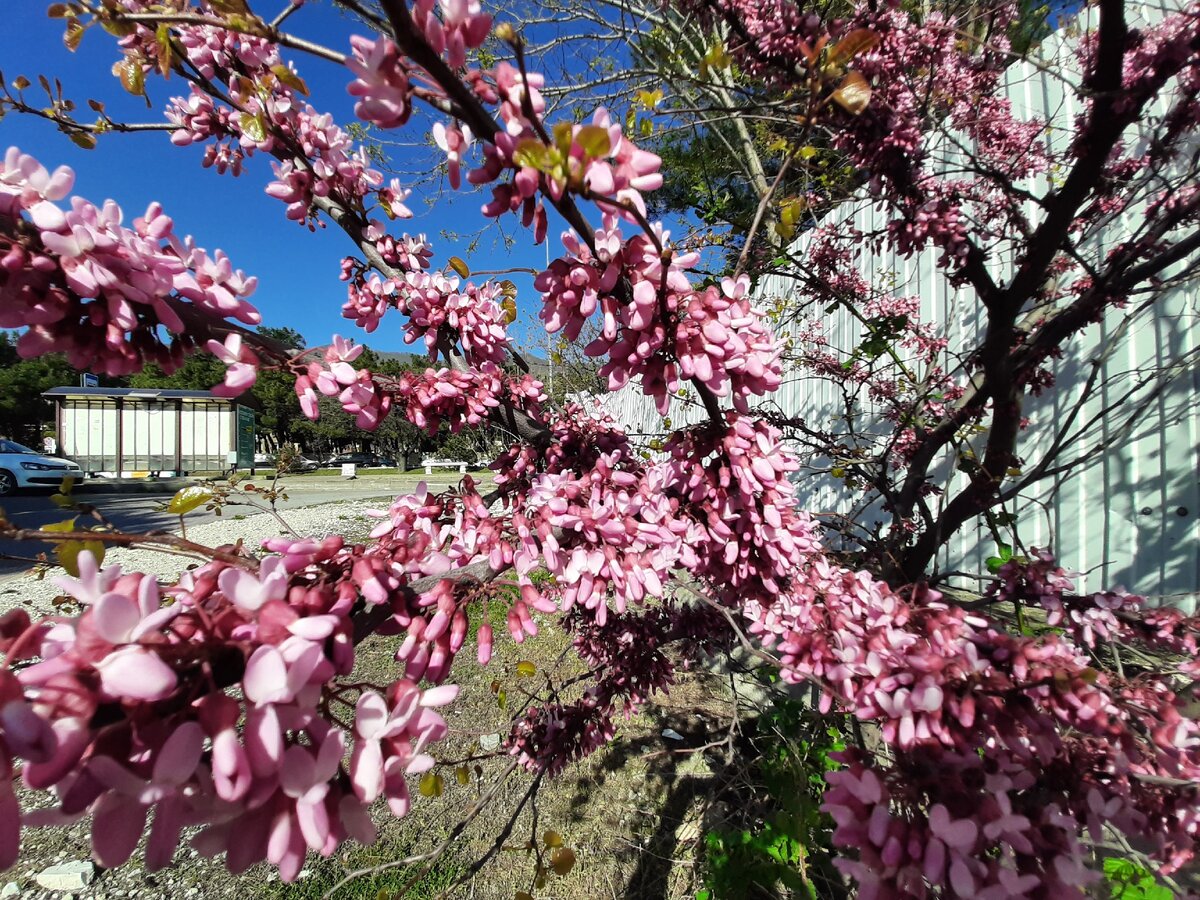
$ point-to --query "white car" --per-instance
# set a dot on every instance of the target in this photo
(21, 467)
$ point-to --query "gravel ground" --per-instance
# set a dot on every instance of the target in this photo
(351, 518)
(192, 876)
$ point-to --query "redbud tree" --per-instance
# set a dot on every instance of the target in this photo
(995, 756)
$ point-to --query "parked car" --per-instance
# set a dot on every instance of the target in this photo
(302, 464)
(362, 460)
(21, 467)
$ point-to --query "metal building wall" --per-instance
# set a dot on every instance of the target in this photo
(1129, 513)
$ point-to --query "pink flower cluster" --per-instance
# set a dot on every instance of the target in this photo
(382, 82)
(732, 481)
(111, 709)
(608, 535)
(577, 440)
(219, 709)
(713, 335)
(942, 682)
(721, 341)
(242, 366)
(210, 48)
(462, 398)
(357, 390)
(473, 315)
(92, 288)
(1039, 581)
(575, 286)
(462, 27)
(269, 115)
(431, 536)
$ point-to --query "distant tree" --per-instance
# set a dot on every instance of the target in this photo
(288, 337)
(198, 373)
(329, 433)
(274, 394)
(22, 382)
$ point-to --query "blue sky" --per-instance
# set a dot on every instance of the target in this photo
(297, 269)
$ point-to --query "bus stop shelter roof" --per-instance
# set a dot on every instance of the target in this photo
(103, 393)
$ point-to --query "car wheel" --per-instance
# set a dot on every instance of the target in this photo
(8, 483)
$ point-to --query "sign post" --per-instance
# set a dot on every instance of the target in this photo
(87, 379)
(245, 437)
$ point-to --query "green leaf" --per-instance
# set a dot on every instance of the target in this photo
(253, 126)
(83, 139)
(431, 785)
(189, 498)
(290, 78)
(118, 28)
(650, 99)
(1129, 881)
(593, 140)
(526, 669)
(532, 153)
(68, 554)
(165, 52)
(552, 839)
(230, 7)
(133, 79)
(562, 860)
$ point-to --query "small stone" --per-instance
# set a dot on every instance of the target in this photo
(489, 742)
(12, 889)
(672, 734)
(70, 876)
(304, 873)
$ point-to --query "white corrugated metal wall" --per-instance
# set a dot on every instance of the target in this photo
(1129, 513)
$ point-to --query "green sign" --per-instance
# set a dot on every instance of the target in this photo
(245, 437)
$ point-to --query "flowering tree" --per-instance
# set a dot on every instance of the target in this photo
(993, 755)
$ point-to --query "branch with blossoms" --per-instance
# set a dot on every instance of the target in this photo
(955, 175)
(230, 705)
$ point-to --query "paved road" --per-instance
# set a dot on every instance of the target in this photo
(142, 512)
